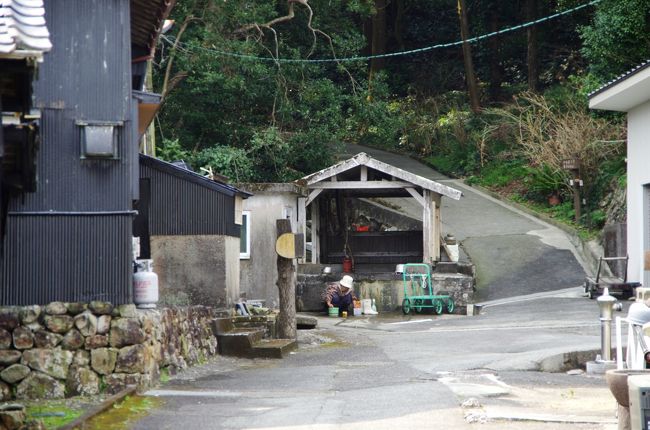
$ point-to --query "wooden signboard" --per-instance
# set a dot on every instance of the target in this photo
(290, 245)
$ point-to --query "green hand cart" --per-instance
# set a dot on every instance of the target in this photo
(418, 292)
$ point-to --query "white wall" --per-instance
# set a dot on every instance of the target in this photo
(259, 273)
(638, 175)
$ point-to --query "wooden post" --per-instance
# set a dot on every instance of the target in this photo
(429, 230)
(302, 225)
(287, 288)
(315, 231)
(437, 229)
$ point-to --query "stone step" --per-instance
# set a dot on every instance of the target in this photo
(273, 348)
(238, 342)
(306, 322)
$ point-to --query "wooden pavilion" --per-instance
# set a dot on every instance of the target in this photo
(334, 233)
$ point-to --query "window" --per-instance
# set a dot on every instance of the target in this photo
(245, 238)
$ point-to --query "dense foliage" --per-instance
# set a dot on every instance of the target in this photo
(255, 119)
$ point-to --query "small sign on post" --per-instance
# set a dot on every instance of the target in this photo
(573, 165)
(290, 245)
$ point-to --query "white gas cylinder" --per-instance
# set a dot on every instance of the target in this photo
(145, 285)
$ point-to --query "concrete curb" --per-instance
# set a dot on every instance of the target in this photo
(589, 251)
(567, 361)
(80, 422)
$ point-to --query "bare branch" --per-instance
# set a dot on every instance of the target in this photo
(172, 54)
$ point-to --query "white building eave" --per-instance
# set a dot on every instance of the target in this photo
(624, 95)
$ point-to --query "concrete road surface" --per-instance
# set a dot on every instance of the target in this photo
(514, 253)
(423, 371)
(393, 371)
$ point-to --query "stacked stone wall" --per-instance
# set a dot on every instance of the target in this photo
(67, 349)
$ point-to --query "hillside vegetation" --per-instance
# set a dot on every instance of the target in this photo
(271, 90)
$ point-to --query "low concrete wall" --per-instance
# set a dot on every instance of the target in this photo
(386, 288)
(67, 349)
(196, 270)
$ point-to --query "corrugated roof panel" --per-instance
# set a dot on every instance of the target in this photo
(23, 30)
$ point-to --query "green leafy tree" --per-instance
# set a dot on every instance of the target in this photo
(619, 37)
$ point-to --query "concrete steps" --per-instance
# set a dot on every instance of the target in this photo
(248, 342)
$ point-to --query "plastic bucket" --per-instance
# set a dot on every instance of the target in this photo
(333, 312)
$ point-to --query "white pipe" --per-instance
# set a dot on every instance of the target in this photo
(619, 344)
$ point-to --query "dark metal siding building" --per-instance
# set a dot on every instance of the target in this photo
(71, 239)
(178, 202)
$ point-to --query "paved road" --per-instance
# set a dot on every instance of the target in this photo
(514, 253)
(394, 371)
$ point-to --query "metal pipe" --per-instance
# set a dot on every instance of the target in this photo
(606, 304)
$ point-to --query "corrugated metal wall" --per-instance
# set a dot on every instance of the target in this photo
(45, 267)
(181, 207)
(49, 253)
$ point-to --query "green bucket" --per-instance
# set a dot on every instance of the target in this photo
(333, 312)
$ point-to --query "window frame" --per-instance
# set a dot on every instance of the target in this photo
(246, 225)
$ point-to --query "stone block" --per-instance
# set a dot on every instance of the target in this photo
(131, 359)
(9, 356)
(116, 382)
(86, 323)
(128, 311)
(52, 362)
(56, 308)
(45, 339)
(96, 341)
(29, 314)
(101, 308)
(9, 318)
(58, 323)
(76, 308)
(103, 360)
(23, 338)
(72, 340)
(12, 416)
(5, 339)
(82, 382)
(103, 324)
(124, 332)
(15, 373)
(35, 326)
(38, 385)
(81, 358)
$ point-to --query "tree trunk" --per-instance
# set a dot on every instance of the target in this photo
(531, 36)
(496, 73)
(287, 289)
(399, 24)
(378, 40)
(472, 86)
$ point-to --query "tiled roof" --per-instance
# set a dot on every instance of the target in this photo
(23, 31)
(620, 78)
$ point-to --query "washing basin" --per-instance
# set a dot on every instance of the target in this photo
(617, 383)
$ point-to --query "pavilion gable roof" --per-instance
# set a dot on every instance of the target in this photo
(363, 159)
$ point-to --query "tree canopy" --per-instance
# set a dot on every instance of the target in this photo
(231, 105)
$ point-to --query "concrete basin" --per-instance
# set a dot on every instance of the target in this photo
(617, 383)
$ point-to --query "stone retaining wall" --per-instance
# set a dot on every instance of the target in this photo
(67, 349)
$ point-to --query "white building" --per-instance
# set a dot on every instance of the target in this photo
(631, 93)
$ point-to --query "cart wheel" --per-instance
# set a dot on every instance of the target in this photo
(437, 306)
(450, 305)
(417, 305)
(406, 306)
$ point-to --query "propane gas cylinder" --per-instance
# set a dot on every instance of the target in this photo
(145, 285)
